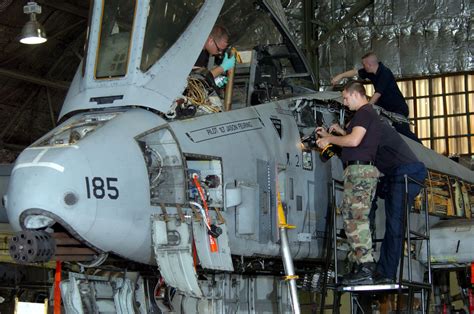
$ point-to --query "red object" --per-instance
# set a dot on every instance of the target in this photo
(472, 273)
(471, 302)
(212, 241)
(57, 290)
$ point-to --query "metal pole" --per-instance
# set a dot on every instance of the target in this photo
(289, 269)
(407, 208)
(334, 230)
(229, 89)
(428, 245)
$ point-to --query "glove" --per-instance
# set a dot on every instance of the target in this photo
(228, 63)
(220, 81)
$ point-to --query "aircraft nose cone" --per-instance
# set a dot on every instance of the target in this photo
(49, 183)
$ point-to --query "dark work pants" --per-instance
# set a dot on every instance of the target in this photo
(391, 249)
(404, 129)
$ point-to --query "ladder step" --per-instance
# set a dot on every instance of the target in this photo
(419, 236)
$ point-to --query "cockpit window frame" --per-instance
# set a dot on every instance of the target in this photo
(99, 45)
(88, 34)
(149, 57)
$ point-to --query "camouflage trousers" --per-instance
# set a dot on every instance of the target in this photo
(360, 182)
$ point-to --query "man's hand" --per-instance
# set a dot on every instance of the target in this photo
(336, 79)
(321, 132)
(228, 63)
(322, 142)
(221, 81)
(336, 128)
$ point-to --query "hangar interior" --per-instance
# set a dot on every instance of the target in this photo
(428, 45)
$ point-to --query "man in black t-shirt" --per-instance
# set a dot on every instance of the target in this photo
(215, 45)
(387, 94)
(359, 146)
(395, 160)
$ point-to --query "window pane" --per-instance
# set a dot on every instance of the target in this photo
(470, 99)
(411, 110)
(421, 88)
(115, 37)
(456, 104)
(437, 86)
(438, 128)
(457, 125)
(470, 82)
(406, 87)
(471, 118)
(440, 146)
(423, 128)
(437, 108)
(458, 146)
(426, 143)
(455, 84)
(369, 89)
(166, 22)
(423, 107)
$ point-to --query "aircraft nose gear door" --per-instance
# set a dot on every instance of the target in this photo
(172, 243)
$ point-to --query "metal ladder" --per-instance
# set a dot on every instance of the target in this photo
(408, 286)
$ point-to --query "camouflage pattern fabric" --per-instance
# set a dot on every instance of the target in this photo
(360, 183)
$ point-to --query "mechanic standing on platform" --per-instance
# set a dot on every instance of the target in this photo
(359, 146)
(395, 159)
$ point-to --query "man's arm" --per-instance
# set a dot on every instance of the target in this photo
(336, 128)
(227, 64)
(343, 75)
(352, 139)
(375, 97)
(216, 71)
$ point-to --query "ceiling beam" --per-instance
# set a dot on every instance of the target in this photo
(66, 7)
(34, 79)
(356, 8)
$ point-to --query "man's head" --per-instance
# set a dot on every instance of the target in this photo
(217, 41)
(370, 62)
(354, 95)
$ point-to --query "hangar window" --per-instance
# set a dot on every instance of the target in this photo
(442, 111)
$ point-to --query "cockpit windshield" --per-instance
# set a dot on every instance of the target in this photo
(115, 38)
(166, 21)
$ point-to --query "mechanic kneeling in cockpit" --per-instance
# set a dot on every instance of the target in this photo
(215, 45)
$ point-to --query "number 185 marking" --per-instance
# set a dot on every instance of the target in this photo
(100, 188)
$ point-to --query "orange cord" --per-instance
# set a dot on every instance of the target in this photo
(212, 241)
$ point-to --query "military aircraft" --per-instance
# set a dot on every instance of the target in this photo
(152, 164)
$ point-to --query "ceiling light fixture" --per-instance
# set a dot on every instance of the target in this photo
(33, 32)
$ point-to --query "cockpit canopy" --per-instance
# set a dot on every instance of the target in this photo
(141, 52)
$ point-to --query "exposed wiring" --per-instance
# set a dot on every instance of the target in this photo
(159, 165)
(203, 213)
(197, 95)
(196, 92)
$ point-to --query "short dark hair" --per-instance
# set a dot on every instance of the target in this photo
(369, 54)
(220, 32)
(353, 86)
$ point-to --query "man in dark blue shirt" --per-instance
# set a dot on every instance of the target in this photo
(387, 94)
(395, 160)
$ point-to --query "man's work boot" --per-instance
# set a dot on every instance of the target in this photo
(380, 279)
(362, 276)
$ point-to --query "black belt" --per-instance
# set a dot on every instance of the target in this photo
(358, 162)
